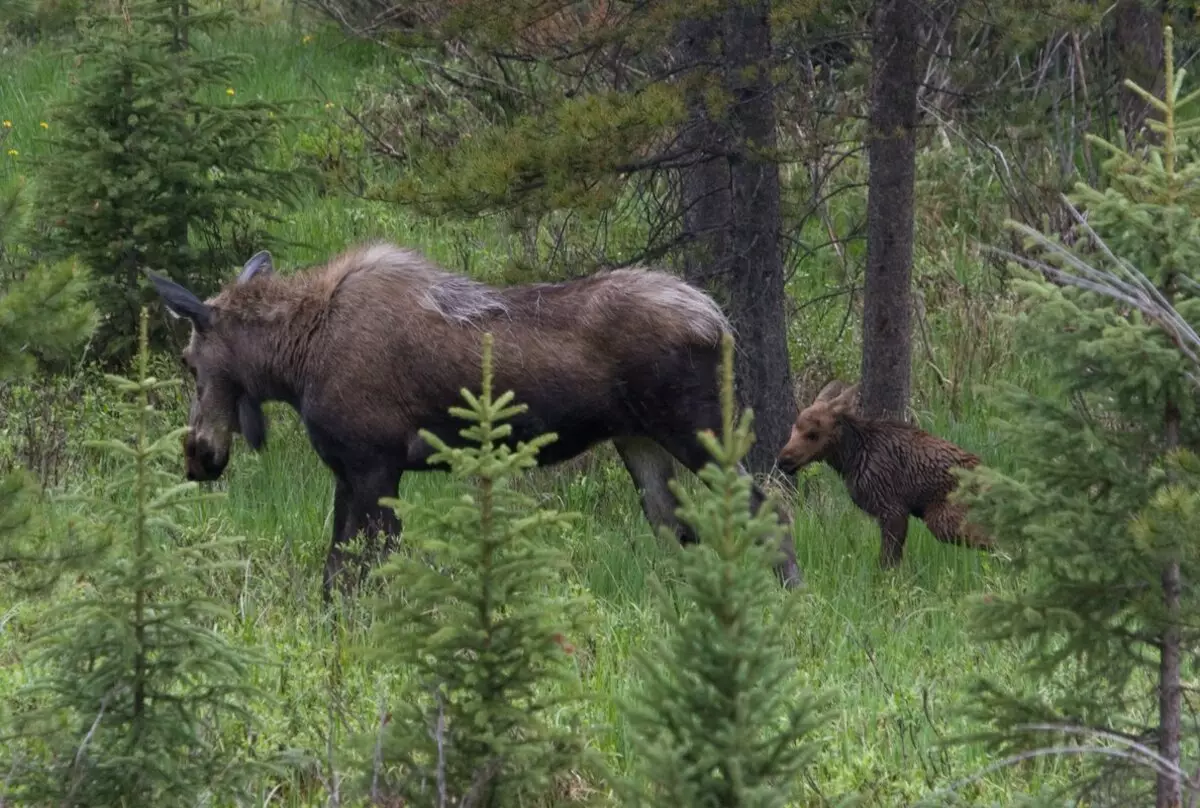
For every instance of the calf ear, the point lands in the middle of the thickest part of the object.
(251, 422)
(829, 391)
(259, 264)
(182, 303)
(846, 400)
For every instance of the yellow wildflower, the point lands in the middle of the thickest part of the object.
(307, 38)
(229, 91)
(8, 124)
(13, 152)
(328, 105)
(44, 125)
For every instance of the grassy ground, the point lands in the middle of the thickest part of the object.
(891, 649)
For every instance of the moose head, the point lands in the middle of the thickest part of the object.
(221, 404)
(817, 427)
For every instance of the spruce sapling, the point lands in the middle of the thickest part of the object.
(475, 626)
(44, 315)
(130, 683)
(144, 172)
(1101, 512)
(720, 720)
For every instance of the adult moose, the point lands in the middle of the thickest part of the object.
(376, 344)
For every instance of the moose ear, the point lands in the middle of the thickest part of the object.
(830, 391)
(251, 422)
(182, 303)
(259, 264)
(845, 402)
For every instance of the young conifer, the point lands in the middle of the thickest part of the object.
(474, 625)
(43, 316)
(1102, 510)
(720, 720)
(129, 681)
(147, 173)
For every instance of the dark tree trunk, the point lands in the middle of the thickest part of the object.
(887, 306)
(1138, 38)
(731, 209)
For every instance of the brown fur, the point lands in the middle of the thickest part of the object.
(377, 343)
(891, 469)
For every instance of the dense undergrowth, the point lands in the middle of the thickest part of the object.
(889, 650)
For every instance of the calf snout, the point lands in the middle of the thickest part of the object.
(788, 464)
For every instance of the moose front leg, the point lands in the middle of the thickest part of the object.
(335, 560)
(895, 530)
(359, 495)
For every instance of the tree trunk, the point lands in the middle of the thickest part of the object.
(1168, 789)
(1138, 38)
(731, 209)
(887, 305)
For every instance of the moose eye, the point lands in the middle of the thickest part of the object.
(812, 435)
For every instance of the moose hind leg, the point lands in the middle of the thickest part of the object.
(948, 523)
(787, 568)
(894, 529)
(691, 453)
(651, 467)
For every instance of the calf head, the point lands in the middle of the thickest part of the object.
(817, 427)
(221, 404)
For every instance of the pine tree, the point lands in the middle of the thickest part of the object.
(720, 721)
(476, 630)
(129, 683)
(1101, 511)
(145, 173)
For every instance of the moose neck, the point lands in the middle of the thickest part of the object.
(850, 447)
(273, 364)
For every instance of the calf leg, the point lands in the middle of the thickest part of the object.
(895, 530)
(949, 523)
(691, 453)
(651, 467)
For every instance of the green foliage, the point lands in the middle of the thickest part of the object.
(720, 720)
(571, 156)
(145, 172)
(1103, 505)
(42, 315)
(42, 310)
(130, 684)
(476, 626)
(37, 19)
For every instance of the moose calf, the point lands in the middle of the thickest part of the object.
(891, 469)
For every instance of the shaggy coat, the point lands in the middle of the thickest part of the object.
(892, 470)
(376, 344)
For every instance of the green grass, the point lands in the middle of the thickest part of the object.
(892, 649)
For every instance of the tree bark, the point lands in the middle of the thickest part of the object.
(1138, 38)
(731, 209)
(1168, 791)
(891, 149)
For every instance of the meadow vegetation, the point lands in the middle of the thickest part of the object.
(876, 674)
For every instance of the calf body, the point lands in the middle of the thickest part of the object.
(891, 470)
(375, 345)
